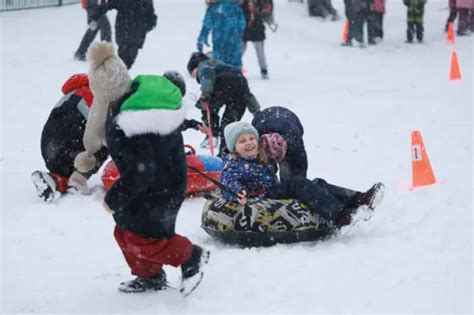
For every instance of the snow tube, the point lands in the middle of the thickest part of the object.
(209, 165)
(272, 221)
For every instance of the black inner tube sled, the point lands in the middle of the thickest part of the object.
(263, 222)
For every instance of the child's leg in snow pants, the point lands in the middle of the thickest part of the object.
(146, 256)
(324, 199)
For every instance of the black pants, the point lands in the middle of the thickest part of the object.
(328, 6)
(375, 25)
(415, 27)
(103, 26)
(357, 26)
(128, 53)
(294, 164)
(59, 156)
(323, 198)
(465, 21)
(453, 13)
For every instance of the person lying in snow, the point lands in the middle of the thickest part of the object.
(248, 173)
(221, 85)
(61, 139)
(144, 139)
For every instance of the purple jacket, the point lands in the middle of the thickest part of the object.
(249, 175)
(465, 4)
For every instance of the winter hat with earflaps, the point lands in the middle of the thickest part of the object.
(108, 80)
(233, 131)
(154, 107)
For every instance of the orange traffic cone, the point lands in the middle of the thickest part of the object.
(455, 73)
(422, 174)
(345, 32)
(450, 33)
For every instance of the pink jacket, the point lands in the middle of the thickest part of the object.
(379, 6)
(465, 4)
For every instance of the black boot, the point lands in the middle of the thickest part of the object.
(191, 270)
(372, 197)
(345, 217)
(352, 215)
(142, 284)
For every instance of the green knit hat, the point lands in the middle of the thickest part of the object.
(154, 92)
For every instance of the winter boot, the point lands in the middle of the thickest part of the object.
(264, 73)
(45, 186)
(191, 270)
(372, 41)
(372, 197)
(353, 215)
(361, 44)
(142, 284)
(205, 144)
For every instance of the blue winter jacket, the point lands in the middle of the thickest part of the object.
(249, 175)
(226, 21)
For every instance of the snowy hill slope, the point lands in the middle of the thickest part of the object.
(358, 107)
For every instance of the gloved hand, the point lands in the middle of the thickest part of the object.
(242, 198)
(200, 44)
(93, 25)
(203, 100)
(200, 105)
(195, 124)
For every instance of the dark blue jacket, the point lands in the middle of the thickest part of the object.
(283, 121)
(249, 175)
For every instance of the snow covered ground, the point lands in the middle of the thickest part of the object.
(358, 107)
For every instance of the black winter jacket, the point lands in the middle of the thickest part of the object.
(255, 30)
(283, 121)
(61, 138)
(153, 177)
(134, 19)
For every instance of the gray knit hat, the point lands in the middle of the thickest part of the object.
(233, 131)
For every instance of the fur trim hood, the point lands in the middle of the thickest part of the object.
(158, 121)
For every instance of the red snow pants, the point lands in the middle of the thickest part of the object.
(146, 256)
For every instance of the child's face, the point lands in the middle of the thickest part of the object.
(194, 73)
(246, 145)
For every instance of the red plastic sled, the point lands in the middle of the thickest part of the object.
(209, 165)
